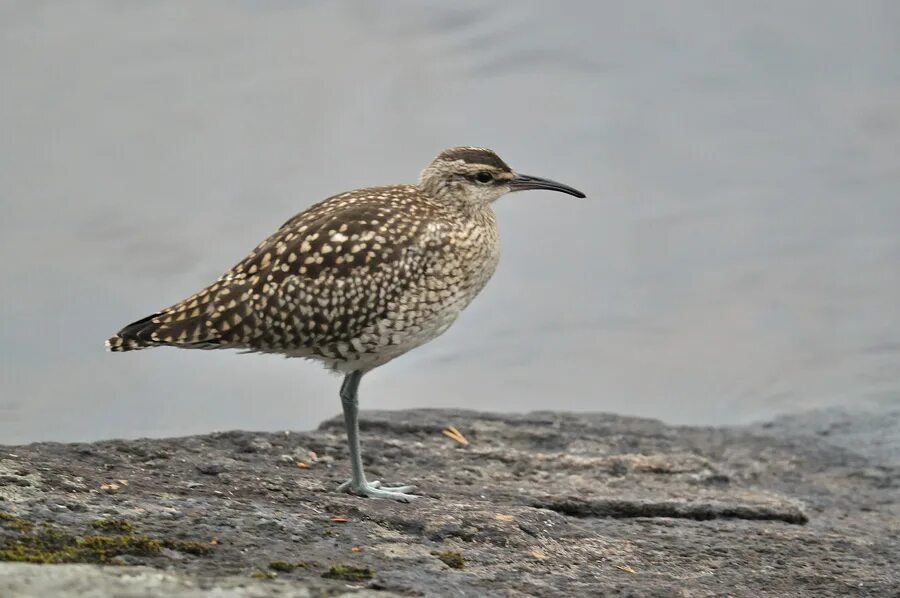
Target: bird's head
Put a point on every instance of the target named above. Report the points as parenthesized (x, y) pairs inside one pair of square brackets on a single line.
[(478, 175)]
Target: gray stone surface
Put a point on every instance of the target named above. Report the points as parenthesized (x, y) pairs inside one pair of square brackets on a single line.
[(89, 581), (536, 504)]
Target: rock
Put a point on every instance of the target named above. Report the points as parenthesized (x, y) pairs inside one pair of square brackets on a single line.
[(87, 581), (13, 480), (542, 504), (256, 445), (212, 467)]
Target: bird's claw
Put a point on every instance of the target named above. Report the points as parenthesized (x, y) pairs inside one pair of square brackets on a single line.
[(375, 490)]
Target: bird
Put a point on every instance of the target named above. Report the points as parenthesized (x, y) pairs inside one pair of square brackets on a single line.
[(355, 281)]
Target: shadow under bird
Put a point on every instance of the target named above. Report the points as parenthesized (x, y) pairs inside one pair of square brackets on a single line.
[(355, 281)]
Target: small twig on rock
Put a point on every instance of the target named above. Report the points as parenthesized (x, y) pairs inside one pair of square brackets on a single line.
[(453, 434)]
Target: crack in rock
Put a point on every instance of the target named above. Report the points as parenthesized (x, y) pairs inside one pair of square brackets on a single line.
[(699, 511)]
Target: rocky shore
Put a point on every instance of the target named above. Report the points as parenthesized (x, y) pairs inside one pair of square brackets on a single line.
[(544, 504)]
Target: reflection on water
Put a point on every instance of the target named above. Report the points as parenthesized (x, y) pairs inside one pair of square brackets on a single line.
[(737, 257)]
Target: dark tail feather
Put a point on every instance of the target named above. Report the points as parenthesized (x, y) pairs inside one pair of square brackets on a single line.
[(137, 335)]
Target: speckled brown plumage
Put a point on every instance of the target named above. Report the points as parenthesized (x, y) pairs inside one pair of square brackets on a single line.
[(354, 281)]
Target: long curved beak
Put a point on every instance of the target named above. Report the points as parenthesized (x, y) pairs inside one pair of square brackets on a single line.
[(524, 182)]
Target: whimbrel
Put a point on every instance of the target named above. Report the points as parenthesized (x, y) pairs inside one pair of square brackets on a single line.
[(355, 281)]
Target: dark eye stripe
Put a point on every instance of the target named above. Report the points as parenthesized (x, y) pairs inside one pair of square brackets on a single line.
[(497, 180)]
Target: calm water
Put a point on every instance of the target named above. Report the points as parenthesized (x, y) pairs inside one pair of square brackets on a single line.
[(739, 255)]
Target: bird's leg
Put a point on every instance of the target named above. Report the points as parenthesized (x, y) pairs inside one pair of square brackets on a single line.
[(357, 483)]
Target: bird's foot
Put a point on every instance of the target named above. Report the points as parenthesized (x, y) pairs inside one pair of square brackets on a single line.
[(375, 490)]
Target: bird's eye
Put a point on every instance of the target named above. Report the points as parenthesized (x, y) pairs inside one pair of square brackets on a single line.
[(484, 177)]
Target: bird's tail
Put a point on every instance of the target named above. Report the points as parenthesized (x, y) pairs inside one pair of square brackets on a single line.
[(198, 322), (135, 336)]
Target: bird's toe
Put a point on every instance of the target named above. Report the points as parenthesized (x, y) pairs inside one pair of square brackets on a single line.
[(375, 489)]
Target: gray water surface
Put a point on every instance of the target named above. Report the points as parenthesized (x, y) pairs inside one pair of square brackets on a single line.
[(738, 256)]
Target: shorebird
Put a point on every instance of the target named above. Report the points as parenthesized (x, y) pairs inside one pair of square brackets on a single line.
[(355, 281)]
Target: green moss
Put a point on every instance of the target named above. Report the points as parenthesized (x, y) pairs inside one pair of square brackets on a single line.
[(452, 559), (348, 573), (16, 523), (51, 545), (260, 574), (281, 566), (104, 548), (45, 546), (113, 526)]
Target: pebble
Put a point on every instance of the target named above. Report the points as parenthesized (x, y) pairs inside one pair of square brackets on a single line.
[(212, 467)]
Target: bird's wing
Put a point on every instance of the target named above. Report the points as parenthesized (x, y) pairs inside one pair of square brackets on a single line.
[(325, 275)]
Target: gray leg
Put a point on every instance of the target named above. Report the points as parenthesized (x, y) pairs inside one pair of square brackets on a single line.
[(357, 483)]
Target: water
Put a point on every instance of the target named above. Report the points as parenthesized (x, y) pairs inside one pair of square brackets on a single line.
[(738, 257)]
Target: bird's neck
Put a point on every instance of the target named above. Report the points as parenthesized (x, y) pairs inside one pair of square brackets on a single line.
[(455, 198)]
